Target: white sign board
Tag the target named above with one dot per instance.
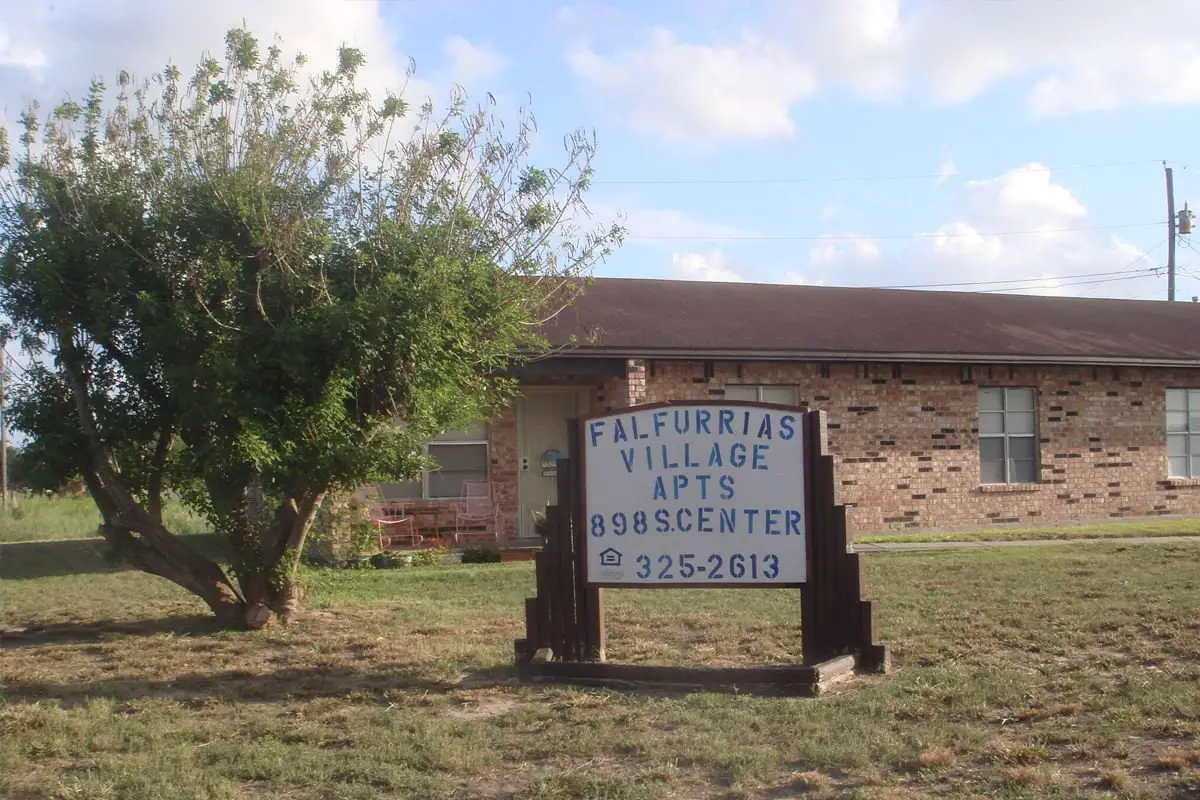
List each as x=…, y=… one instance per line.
x=687, y=494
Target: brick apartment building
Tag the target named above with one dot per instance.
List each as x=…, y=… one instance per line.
x=946, y=410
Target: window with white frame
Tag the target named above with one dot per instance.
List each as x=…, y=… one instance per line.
x=1183, y=433
x=1008, y=449
x=754, y=393
x=461, y=456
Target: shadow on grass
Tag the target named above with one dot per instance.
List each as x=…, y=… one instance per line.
x=199, y=689
x=93, y=632
x=65, y=557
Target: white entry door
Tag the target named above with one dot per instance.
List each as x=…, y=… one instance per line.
x=541, y=434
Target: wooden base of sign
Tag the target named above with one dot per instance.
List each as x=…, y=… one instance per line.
x=564, y=623
x=801, y=680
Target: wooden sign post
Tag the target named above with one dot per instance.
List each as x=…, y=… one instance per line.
x=698, y=495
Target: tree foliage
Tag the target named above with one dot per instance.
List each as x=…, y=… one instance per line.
x=259, y=284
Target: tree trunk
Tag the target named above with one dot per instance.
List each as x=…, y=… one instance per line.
x=268, y=576
x=150, y=547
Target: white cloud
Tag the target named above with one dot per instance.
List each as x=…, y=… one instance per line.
x=470, y=63
x=683, y=91
x=1071, y=56
x=831, y=209
x=947, y=169
x=50, y=50
x=797, y=279
x=845, y=249
x=1067, y=256
x=1023, y=199
x=16, y=55
x=661, y=225
x=698, y=267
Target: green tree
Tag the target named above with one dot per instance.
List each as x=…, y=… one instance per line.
x=259, y=287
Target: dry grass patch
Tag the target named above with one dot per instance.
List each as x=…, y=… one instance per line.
x=810, y=781
x=1119, y=781
x=1178, y=758
x=1027, y=775
x=936, y=757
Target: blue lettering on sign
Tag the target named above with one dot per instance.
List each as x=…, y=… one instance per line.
x=681, y=483
x=595, y=430
x=690, y=489
x=726, y=487
x=737, y=455
x=714, y=567
x=714, y=458
x=762, y=425
x=774, y=521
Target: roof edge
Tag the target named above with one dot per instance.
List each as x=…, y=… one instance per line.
x=670, y=354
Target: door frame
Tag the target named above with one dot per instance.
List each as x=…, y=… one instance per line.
x=581, y=408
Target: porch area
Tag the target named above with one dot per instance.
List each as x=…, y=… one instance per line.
x=493, y=481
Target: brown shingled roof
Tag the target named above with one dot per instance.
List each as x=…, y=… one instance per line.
x=663, y=319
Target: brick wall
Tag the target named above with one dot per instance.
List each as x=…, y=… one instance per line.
x=907, y=445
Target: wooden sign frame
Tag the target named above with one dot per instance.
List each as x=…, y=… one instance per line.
x=565, y=636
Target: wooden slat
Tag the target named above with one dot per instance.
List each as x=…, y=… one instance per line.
x=548, y=616
x=594, y=619
x=565, y=563
x=532, y=634
x=653, y=673
x=589, y=603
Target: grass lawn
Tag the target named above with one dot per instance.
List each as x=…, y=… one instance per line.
x=40, y=518
x=1153, y=528
x=1049, y=673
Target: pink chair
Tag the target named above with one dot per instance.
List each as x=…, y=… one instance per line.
x=478, y=507
x=394, y=529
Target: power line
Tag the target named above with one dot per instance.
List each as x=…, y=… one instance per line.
x=1124, y=271
x=1040, y=282
x=1044, y=285
x=851, y=178
x=876, y=237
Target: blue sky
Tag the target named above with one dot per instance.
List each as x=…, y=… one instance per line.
x=852, y=142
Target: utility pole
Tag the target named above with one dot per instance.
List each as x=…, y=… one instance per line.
x=1170, y=233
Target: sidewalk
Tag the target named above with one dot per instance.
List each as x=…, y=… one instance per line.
x=897, y=547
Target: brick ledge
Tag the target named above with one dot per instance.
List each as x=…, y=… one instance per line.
x=1177, y=483
x=1009, y=488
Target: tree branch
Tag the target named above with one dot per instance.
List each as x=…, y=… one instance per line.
x=158, y=467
